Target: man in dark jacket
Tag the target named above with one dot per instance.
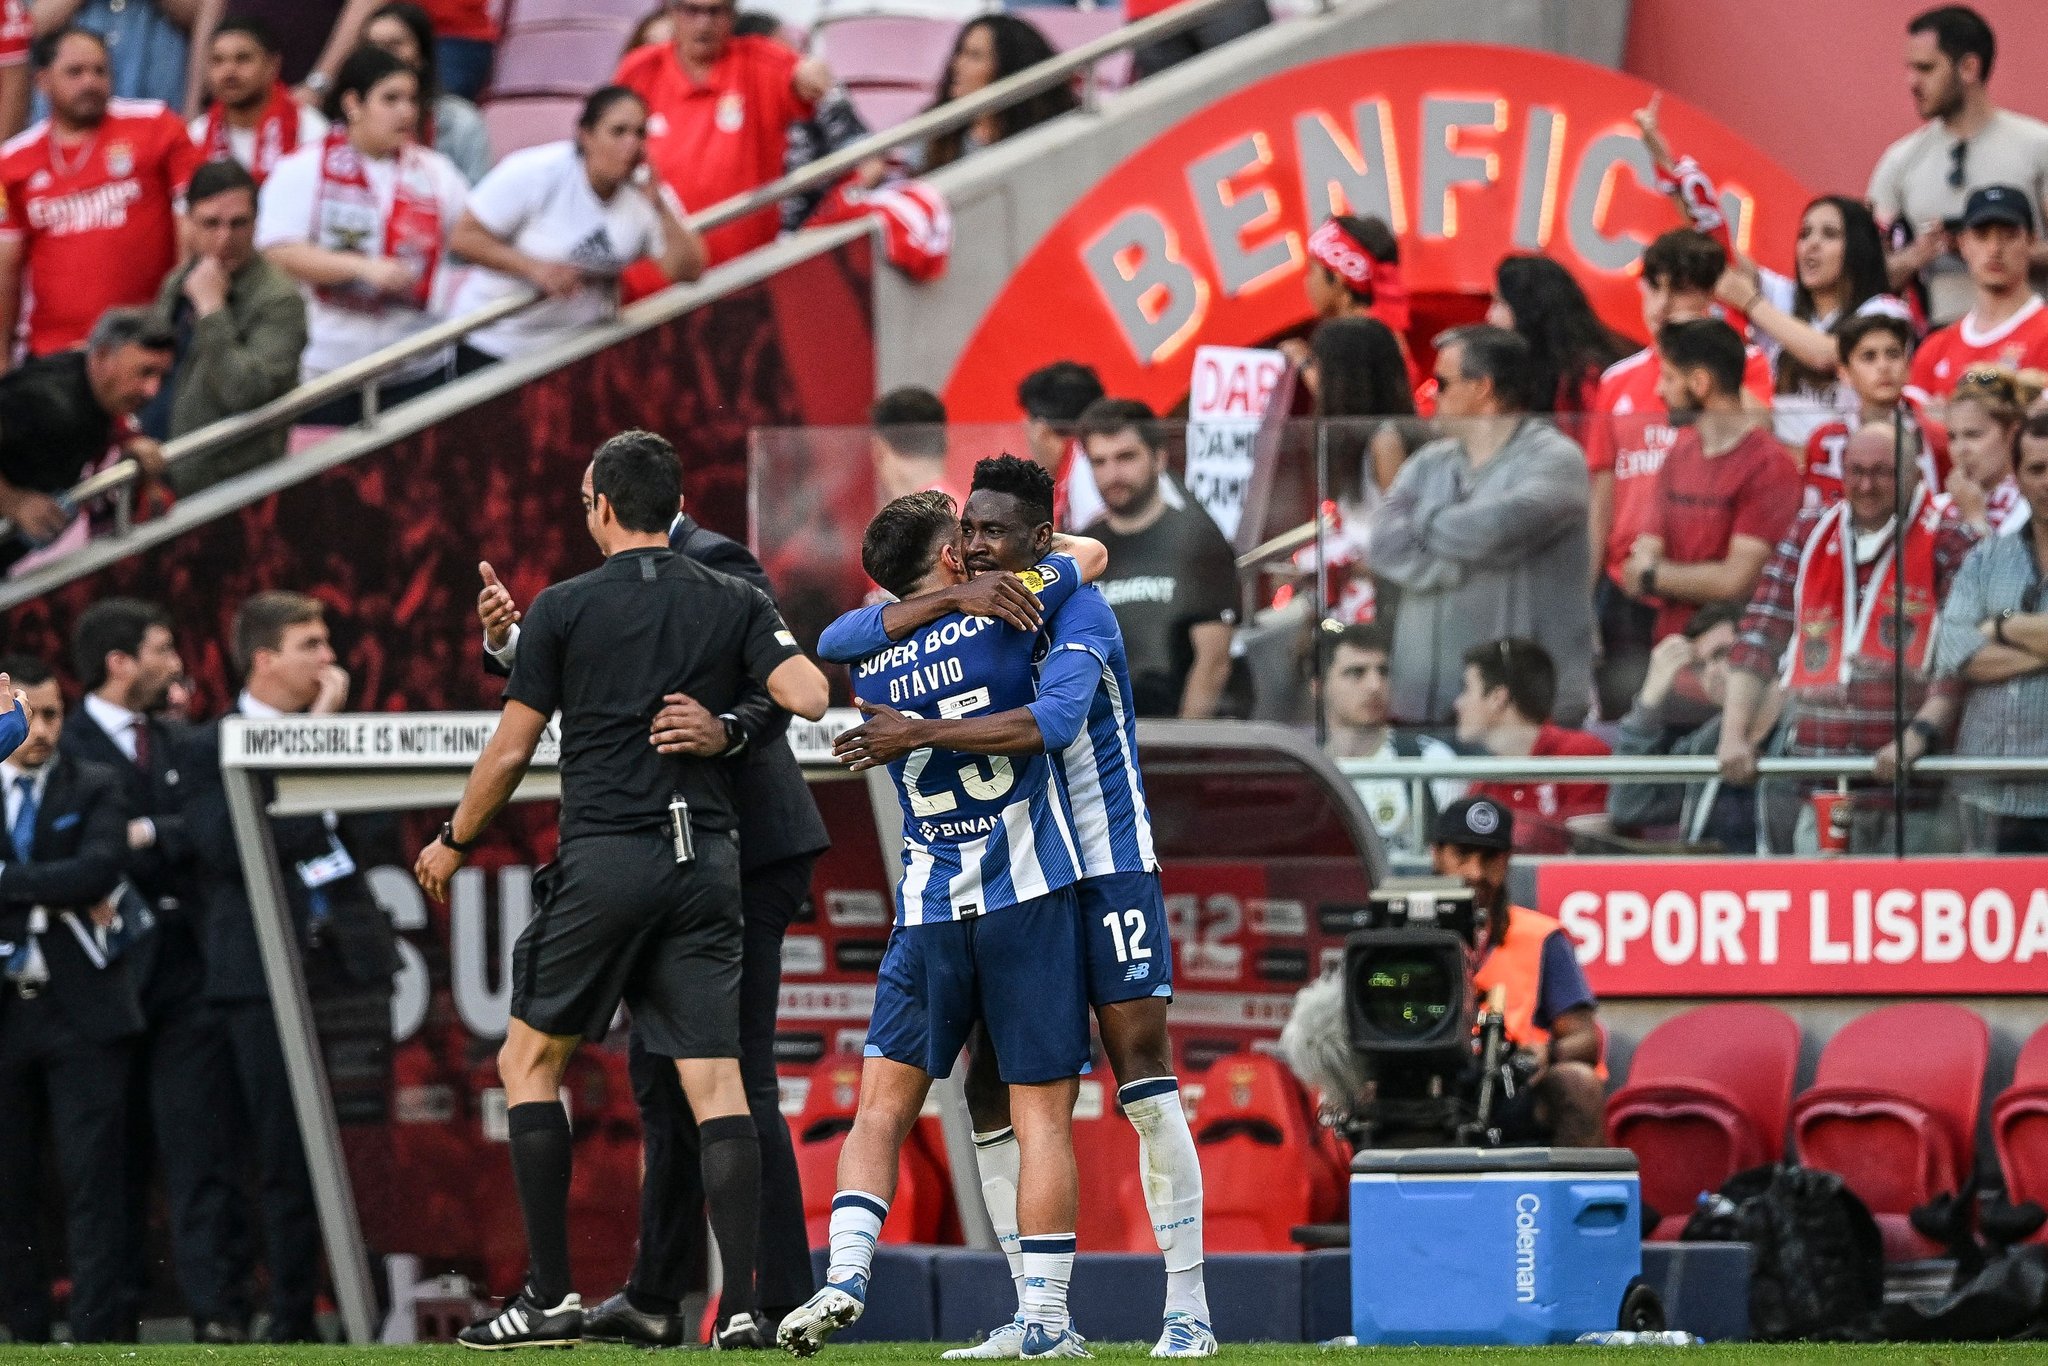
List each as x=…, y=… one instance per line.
x=781, y=836
x=126, y=659
x=282, y=650
x=68, y=1020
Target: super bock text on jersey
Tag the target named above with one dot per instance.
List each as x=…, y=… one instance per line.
x=980, y=832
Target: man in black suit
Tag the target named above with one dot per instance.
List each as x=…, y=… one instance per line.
x=68, y=1021
x=282, y=650
x=781, y=836
x=126, y=660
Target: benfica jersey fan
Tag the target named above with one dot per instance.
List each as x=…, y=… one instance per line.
x=1873, y=350
x=16, y=33
x=88, y=221
x=721, y=110
x=1510, y=689
x=2007, y=323
x=1627, y=438
x=1824, y=624
x=1053, y=399
x=1354, y=271
x=1985, y=414
x=361, y=221
x=253, y=118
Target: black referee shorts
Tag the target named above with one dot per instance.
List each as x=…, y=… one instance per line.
x=617, y=918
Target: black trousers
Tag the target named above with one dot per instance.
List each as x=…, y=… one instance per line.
x=51, y=1074
x=1628, y=631
x=284, y=1189
x=186, y=1066
x=672, y=1254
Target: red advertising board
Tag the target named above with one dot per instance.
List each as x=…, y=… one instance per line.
x=1467, y=151
x=1804, y=927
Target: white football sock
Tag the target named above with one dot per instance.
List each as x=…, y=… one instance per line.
x=997, y=1159
x=1173, y=1187
x=856, y=1224
x=1048, y=1266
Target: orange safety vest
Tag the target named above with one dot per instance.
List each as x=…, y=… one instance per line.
x=1516, y=963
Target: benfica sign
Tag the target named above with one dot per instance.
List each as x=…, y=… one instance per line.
x=1469, y=152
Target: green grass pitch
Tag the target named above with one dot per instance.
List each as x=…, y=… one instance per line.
x=1829, y=1354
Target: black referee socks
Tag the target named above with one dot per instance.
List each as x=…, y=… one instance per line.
x=540, y=1170
x=731, y=1161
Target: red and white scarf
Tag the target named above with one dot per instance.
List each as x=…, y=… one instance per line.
x=277, y=132
x=346, y=218
x=1378, y=283
x=1834, y=619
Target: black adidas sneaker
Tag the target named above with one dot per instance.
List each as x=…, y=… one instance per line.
x=523, y=1323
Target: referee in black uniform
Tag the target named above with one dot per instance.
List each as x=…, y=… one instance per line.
x=642, y=902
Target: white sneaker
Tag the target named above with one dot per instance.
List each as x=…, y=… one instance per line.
x=804, y=1331
x=1004, y=1344
x=1185, y=1336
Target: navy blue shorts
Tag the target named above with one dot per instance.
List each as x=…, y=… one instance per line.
x=1018, y=970
x=1123, y=925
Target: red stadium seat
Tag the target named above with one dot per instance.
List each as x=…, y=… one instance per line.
x=618, y=14
x=886, y=49
x=1893, y=1110
x=922, y=1192
x=515, y=125
x=556, y=61
x=2019, y=1128
x=1264, y=1170
x=1707, y=1097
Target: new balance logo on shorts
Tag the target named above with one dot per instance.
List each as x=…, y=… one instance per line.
x=1137, y=972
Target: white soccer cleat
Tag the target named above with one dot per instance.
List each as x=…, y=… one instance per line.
x=1004, y=1344
x=1040, y=1342
x=1185, y=1336
x=820, y=1316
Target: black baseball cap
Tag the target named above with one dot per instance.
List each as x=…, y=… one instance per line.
x=1475, y=823
x=1996, y=204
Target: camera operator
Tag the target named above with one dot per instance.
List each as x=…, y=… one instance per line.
x=1547, y=1004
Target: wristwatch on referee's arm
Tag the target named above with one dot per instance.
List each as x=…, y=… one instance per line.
x=735, y=735
x=447, y=837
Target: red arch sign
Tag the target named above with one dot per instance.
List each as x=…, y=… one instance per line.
x=1469, y=151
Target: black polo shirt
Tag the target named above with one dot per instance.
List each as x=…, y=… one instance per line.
x=605, y=647
x=51, y=426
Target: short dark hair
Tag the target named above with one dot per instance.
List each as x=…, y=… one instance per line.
x=217, y=178
x=1024, y=480
x=1706, y=344
x=1959, y=32
x=1332, y=635
x=108, y=626
x=911, y=419
x=1720, y=612
x=1684, y=259
x=24, y=671
x=2035, y=428
x=755, y=23
x=1521, y=666
x=905, y=537
x=1109, y=416
x=1488, y=352
x=1058, y=393
x=44, y=53
x=255, y=29
x=261, y=621
x=642, y=476
x=1850, y=332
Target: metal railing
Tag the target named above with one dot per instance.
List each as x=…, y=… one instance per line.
x=361, y=376
x=1664, y=768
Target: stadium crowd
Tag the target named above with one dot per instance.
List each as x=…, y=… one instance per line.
x=1554, y=542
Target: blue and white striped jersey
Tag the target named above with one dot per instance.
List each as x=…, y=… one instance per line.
x=980, y=832
x=1112, y=823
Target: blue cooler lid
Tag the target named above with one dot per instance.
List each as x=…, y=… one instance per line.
x=1479, y=1161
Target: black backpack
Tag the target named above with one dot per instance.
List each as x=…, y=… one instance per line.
x=1818, y=1272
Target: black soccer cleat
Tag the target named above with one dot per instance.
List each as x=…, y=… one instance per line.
x=739, y=1333
x=524, y=1323
x=616, y=1320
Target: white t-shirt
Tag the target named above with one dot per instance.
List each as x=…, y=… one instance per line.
x=540, y=201
x=285, y=213
x=1911, y=182
x=242, y=141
